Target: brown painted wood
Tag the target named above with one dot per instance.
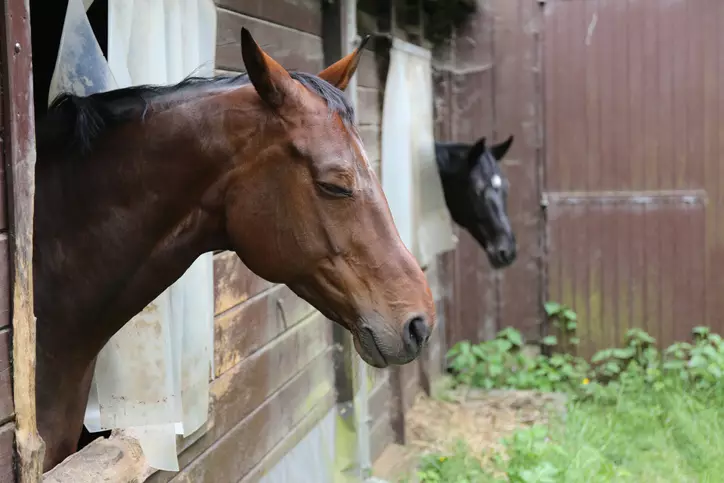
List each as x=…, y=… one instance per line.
x=7, y=453
x=232, y=456
x=290, y=441
x=233, y=282
x=305, y=15
x=302, y=352
x=251, y=325
x=517, y=112
x=4, y=281
x=292, y=49
x=6, y=388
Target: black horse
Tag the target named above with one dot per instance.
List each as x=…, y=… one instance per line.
x=476, y=195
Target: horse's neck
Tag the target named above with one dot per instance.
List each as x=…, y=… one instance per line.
x=113, y=231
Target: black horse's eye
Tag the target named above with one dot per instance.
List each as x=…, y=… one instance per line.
x=334, y=190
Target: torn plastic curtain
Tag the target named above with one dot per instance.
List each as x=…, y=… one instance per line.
x=153, y=375
x=409, y=171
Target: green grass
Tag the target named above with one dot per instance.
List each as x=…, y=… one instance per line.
x=627, y=432
x=636, y=414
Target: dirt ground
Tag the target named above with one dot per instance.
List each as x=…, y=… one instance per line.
x=480, y=418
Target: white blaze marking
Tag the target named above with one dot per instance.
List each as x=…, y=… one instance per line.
x=495, y=181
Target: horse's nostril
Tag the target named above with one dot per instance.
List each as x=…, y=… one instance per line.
x=415, y=334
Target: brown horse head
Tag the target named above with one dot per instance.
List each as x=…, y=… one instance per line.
x=304, y=207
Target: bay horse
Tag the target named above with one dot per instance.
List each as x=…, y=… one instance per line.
x=476, y=195
x=133, y=185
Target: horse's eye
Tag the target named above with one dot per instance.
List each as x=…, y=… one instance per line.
x=334, y=190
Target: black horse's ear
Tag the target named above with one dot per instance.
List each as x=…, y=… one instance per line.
x=500, y=150
x=475, y=152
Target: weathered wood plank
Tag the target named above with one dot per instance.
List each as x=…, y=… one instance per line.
x=380, y=401
x=250, y=326
x=381, y=435
x=370, y=135
x=6, y=389
x=289, y=442
x=292, y=49
x=368, y=109
x=410, y=383
x=7, y=453
x=3, y=194
x=305, y=15
x=118, y=459
x=377, y=376
x=4, y=280
x=19, y=145
x=232, y=456
x=367, y=75
x=303, y=352
x=233, y=282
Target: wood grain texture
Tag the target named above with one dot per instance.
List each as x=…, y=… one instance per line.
x=236, y=453
x=5, y=288
x=293, y=49
x=233, y=282
x=251, y=325
x=370, y=135
x=301, y=353
x=118, y=459
x=7, y=453
x=305, y=15
x=19, y=145
x=367, y=75
x=6, y=387
x=381, y=435
x=368, y=108
x=290, y=441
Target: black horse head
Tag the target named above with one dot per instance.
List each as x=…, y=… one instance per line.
x=476, y=195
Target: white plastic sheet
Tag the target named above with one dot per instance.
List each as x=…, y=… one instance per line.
x=153, y=375
x=409, y=172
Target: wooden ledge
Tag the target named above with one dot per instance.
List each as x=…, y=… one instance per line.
x=117, y=459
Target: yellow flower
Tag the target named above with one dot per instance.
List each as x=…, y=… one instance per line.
x=442, y=459
x=586, y=381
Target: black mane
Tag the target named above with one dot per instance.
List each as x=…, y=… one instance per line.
x=76, y=122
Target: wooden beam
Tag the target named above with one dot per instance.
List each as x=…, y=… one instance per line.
x=118, y=459
x=20, y=159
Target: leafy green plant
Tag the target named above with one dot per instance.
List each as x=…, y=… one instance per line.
x=528, y=459
x=500, y=363
x=459, y=467
x=565, y=320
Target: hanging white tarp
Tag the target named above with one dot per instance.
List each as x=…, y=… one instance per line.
x=153, y=375
x=409, y=172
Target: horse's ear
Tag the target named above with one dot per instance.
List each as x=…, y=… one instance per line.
x=475, y=152
x=271, y=81
x=340, y=73
x=500, y=150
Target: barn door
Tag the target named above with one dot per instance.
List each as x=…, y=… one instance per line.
x=634, y=126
